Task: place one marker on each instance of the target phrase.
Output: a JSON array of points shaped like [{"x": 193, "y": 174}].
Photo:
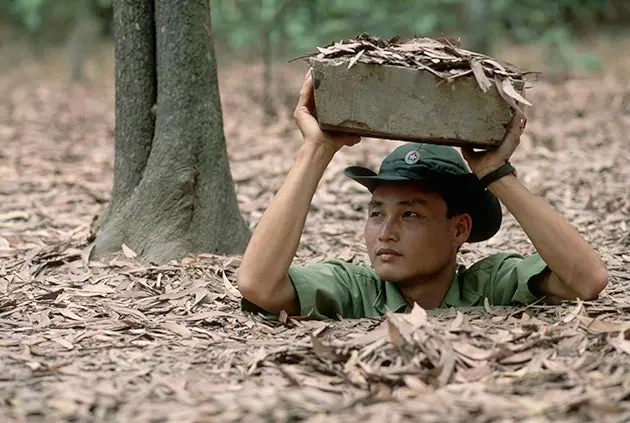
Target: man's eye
[
  {"x": 410, "y": 214},
  {"x": 375, "y": 213}
]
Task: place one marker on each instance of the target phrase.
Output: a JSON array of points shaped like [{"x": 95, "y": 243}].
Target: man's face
[{"x": 408, "y": 234}]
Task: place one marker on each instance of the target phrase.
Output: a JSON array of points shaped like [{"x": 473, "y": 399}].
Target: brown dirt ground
[{"x": 127, "y": 341}]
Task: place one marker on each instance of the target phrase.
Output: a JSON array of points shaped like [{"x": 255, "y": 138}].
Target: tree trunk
[{"x": 173, "y": 190}]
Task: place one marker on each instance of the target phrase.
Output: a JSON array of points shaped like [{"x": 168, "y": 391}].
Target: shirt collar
[
  {"x": 454, "y": 295},
  {"x": 390, "y": 299}
]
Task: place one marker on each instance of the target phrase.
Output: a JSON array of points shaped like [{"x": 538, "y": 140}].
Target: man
[{"x": 425, "y": 205}]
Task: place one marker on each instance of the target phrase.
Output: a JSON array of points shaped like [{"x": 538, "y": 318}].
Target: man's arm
[
  {"x": 576, "y": 269},
  {"x": 262, "y": 276}
]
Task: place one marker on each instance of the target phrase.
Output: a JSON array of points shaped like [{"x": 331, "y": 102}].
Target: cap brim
[
  {"x": 482, "y": 206},
  {"x": 369, "y": 179}
]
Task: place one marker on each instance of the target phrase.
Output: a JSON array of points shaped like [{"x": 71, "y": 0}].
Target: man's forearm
[
  {"x": 564, "y": 250},
  {"x": 276, "y": 238}
]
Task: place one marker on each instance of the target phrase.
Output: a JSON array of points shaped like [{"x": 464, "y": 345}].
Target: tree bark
[
  {"x": 173, "y": 190},
  {"x": 136, "y": 93}
]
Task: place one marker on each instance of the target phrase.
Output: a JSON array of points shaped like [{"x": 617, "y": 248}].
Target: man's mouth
[{"x": 387, "y": 252}]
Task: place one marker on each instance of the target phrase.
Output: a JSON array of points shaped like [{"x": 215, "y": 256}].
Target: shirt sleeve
[
  {"x": 332, "y": 289},
  {"x": 516, "y": 279},
  {"x": 329, "y": 290}
]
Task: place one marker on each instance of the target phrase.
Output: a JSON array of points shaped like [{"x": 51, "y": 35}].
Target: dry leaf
[
  {"x": 446, "y": 364},
  {"x": 4, "y": 243},
  {"x": 205, "y": 315},
  {"x": 44, "y": 320},
  {"x": 64, "y": 343},
  {"x": 574, "y": 313},
  {"x": 509, "y": 89},
  {"x": 571, "y": 345},
  {"x": 98, "y": 289},
  {"x": 128, "y": 311},
  {"x": 395, "y": 336},
  {"x": 416, "y": 384},
  {"x": 129, "y": 253},
  {"x": 53, "y": 295},
  {"x": 283, "y": 317},
  {"x": 85, "y": 256},
  {"x": 230, "y": 290},
  {"x": 518, "y": 358},
  {"x": 417, "y": 317},
  {"x": 498, "y": 82},
  {"x": 471, "y": 351},
  {"x": 489, "y": 310},
  {"x": 474, "y": 374},
  {"x": 555, "y": 366},
  {"x": 259, "y": 357},
  {"x": 457, "y": 322},
  {"x": 595, "y": 325},
  {"x": 377, "y": 334},
  {"x": 69, "y": 314},
  {"x": 324, "y": 351},
  {"x": 482, "y": 80},
  {"x": 620, "y": 343},
  {"x": 355, "y": 58},
  {"x": 180, "y": 330}
]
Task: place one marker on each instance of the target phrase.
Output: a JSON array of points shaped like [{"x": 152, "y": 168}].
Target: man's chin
[{"x": 391, "y": 275}]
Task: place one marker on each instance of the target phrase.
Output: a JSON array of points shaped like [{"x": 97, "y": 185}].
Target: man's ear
[{"x": 463, "y": 226}]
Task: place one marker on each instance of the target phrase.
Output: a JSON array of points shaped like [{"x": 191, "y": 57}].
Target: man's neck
[{"x": 429, "y": 292}]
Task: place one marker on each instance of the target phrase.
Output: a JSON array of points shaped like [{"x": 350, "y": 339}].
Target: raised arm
[
  {"x": 577, "y": 271},
  {"x": 262, "y": 276}
]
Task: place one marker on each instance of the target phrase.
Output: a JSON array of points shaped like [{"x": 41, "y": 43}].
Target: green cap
[{"x": 444, "y": 169}]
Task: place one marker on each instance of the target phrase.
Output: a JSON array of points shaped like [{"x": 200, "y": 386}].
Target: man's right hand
[{"x": 306, "y": 118}]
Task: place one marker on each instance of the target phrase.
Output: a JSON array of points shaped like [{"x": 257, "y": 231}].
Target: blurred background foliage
[{"x": 283, "y": 29}]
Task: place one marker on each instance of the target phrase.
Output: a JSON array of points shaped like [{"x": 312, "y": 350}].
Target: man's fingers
[
  {"x": 307, "y": 98},
  {"x": 306, "y": 90},
  {"x": 518, "y": 121},
  {"x": 515, "y": 127}
]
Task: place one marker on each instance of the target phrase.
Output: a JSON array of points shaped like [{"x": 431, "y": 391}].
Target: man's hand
[
  {"x": 484, "y": 162},
  {"x": 306, "y": 119}
]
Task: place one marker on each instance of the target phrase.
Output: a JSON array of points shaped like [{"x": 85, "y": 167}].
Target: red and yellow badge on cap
[{"x": 412, "y": 157}]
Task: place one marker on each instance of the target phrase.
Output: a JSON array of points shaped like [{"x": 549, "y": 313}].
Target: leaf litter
[
  {"x": 123, "y": 340},
  {"x": 442, "y": 57}
]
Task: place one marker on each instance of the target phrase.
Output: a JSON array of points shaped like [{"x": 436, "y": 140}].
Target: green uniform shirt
[{"x": 336, "y": 288}]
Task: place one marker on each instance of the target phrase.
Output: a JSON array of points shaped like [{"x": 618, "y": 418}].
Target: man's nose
[{"x": 389, "y": 231}]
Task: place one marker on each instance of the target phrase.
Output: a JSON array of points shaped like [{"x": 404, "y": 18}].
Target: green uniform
[{"x": 336, "y": 288}]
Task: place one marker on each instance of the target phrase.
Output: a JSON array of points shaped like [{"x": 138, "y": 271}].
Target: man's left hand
[{"x": 484, "y": 162}]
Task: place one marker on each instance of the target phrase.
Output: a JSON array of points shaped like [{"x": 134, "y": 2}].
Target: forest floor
[{"x": 127, "y": 341}]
